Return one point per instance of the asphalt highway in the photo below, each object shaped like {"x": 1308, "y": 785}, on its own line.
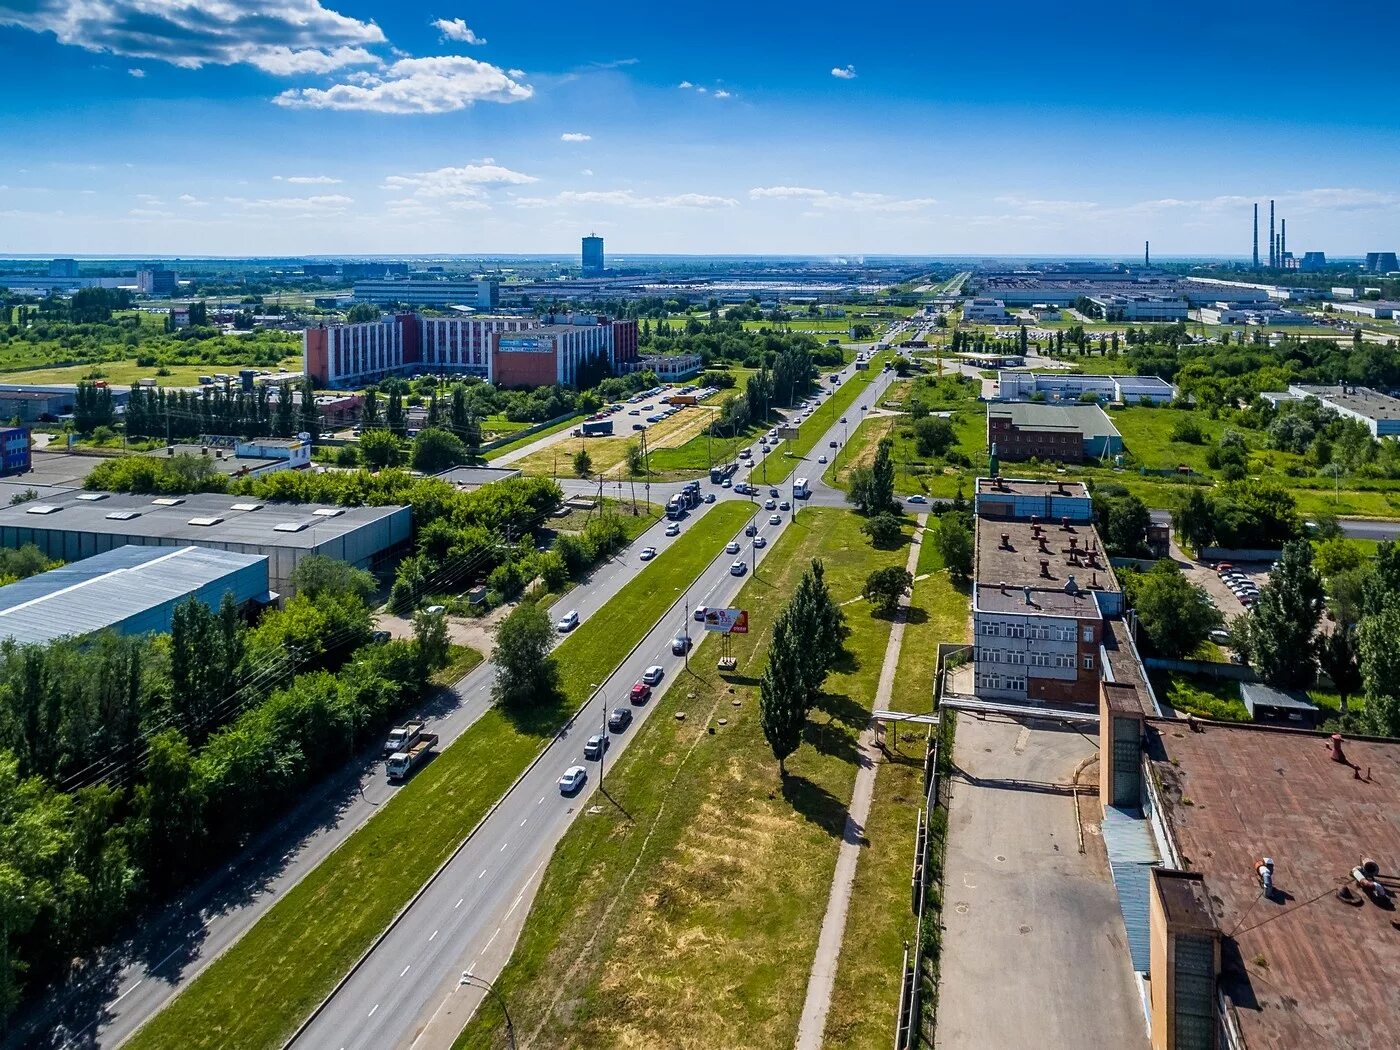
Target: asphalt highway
{"x": 467, "y": 917}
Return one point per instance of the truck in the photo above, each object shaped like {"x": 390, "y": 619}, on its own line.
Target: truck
{"x": 722, "y": 471}
{"x": 597, "y": 428}
{"x": 675, "y": 508}
{"x": 401, "y": 738}
{"x": 402, "y": 763}
{"x": 691, "y": 494}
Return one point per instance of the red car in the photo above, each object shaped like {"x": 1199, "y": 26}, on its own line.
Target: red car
{"x": 641, "y": 693}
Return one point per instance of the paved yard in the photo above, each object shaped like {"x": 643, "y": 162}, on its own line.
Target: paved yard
{"x": 1035, "y": 953}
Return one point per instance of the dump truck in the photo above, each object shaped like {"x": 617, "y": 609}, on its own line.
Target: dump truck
{"x": 401, "y": 738}
{"x": 402, "y": 763}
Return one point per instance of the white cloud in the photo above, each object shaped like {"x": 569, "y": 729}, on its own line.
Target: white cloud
{"x": 685, "y": 85}
{"x": 457, "y": 29}
{"x": 137, "y": 73}
{"x": 846, "y": 72}
{"x": 858, "y": 200}
{"x": 701, "y": 90}
{"x": 626, "y": 199}
{"x": 308, "y": 180}
{"x": 277, "y": 36}
{"x": 190, "y": 200}
{"x": 416, "y": 85}
{"x": 151, "y": 213}
{"x": 516, "y": 74}
{"x": 586, "y": 171}
{"x": 721, "y": 93}
{"x": 575, "y": 136}
{"x": 322, "y": 204}
{"x": 466, "y": 181}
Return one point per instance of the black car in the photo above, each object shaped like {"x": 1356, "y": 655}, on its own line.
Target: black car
{"x": 681, "y": 644}
{"x": 750, "y": 529}
{"x": 620, "y": 719}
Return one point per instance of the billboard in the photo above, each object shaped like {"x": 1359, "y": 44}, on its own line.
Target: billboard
{"x": 727, "y": 621}
{"x": 526, "y": 345}
{"x": 787, "y": 432}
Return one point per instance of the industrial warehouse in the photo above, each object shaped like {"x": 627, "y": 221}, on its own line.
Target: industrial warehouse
{"x": 78, "y": 525}
{"x": 130, "y": 590}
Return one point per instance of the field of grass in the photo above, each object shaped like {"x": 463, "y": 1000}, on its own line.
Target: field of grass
{"x": 293, "y": 956}
{"x": 520, "y": 442}
{"x": 694, "y": 923}
{"x": 127, "y": 372}
{"x": 820, "y": 421}
{"x": 609, "y": 454}
{"x": 462, "y": 660}
{"x": 634, "y": 525}
{"x": 1201, "y": 695}
{"x": 938, "y": 613}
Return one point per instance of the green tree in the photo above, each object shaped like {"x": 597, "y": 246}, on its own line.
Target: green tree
{"x": 885, "y": 530}
{"x": 308, "y": 416}
{"x": 1337, "y": 655}
{"x": 1124, "y": 519}
{"x": 583, "y": 463}
{"x": 783, "y": 692}
{"x": 394, "y": 417}
{"x": 316, "y": 576}
{"x": 1384, "y": 579}
{"x": 1337, "y": 556}
{"x": 955, "y": 546}
{"x": 362, "y": 313}
{"x": 527, "y": 675}
{"x": 819, "y": 620}
{"x": 434, "y": 646}
{"x": 882, "y": 477}
{"x": 1286, "y": 617}
{"x": 169, "y": 806}
{"x": 1380, "y": 665}
{"x": 1176, "y": 615}
{"x": 884, "y": 587}
{"x": 380, "y": 449}
{"x": 435, "y": 449}
{"x": 1193, "y": 520}
{"x": 934, "y": 435}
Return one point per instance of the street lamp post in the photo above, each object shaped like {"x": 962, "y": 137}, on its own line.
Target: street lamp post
{"x": 472, "y": 981}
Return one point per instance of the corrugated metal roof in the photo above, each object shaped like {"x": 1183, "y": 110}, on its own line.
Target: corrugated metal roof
{"x": 109, "y": 589}
{"x": 1132, "y": 853}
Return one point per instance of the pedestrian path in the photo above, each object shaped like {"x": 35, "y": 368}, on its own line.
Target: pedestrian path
{"x": 823, "y": 975}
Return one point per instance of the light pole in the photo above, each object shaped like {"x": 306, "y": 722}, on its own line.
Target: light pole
{"x": 472, "y": 981}
{"x": 602, "y": 747}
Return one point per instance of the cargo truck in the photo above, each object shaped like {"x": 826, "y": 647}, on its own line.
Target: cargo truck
{"x": 402, "y": 763}
{"x": 401, "y": 738}
{"x": 597, "y": 428}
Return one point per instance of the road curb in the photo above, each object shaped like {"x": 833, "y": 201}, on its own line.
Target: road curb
{"x": 490, "y": 812}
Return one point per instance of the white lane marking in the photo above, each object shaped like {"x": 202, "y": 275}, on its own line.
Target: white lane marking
{"x": 372, "y": 1009}
{"x": 522, "y": 823}
{"x": 405, "y": 970}
{"x": 493, "y": 938}
{"x": 133, "y": 988}
{"x": 459, "y": 903}
{"x": 435, "y": 933}
{"x": 483, "y": 873}
{"x": 503, "y": 847}
{"x": 541, "y": 801}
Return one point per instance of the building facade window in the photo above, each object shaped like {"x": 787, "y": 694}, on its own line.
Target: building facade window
{"x": 1088, "y": 663}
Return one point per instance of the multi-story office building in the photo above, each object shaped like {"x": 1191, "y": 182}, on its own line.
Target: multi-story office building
{"x": 63, "y": 268}
{"x": 1044, "y": 592}
{"x": 1021, "y": 386}
{"x": 156, "y": 281}
{"x": 353, "y": 355}
{"x": 593, "y": 265}
{"x": 14, "y": 450}
{"x": 480, "y": 295}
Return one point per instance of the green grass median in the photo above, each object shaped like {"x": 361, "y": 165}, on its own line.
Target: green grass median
{"x": 257, "y": 992}
{"x": 692, "y": 919}
{"x": 819, "y": 422}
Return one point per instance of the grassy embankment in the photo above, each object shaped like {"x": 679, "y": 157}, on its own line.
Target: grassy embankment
{"x": 609, "y": 454}
{"x": 694, "y": 922}
{"x": 294, "y": 955}
{"x": 521, "y": 442}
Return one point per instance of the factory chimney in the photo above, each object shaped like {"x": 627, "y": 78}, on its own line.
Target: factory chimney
{"x": 1147, "y": 255}
{"x": 1282, "y": 240}
{"x": 1273, "y": 241}
{"x": 1256, "y": 235}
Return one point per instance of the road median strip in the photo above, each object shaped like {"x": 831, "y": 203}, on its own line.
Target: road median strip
{"x": 306, "y": 943}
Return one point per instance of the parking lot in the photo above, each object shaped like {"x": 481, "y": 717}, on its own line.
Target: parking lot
{"x": 1205, "y": 576}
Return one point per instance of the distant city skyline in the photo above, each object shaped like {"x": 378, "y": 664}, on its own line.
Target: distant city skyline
{"x": 318, "y": 127}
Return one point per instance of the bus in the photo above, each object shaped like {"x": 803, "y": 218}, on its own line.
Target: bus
{"x": 800, "y": 489}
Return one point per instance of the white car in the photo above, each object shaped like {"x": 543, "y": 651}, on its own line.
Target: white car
{"x": 760, "y": 542}
{"x": 917, "y": 498}
{"x": 648, "y": 553}
{"x": 572, "y": 780}
{"x": 568, "y": 621}
{"x": 653, "y": 674}
{"x": 732, "y": 547}
{"x": 673, "y": 529}
{"x": 821, "y": 458}
{"x": 775, "y": 519}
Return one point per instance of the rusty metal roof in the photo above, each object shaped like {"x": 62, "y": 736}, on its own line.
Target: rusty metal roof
{"x": 1306, "y": 969}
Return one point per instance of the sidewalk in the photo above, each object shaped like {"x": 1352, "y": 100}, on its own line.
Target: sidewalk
{"x": 823, "y": 975}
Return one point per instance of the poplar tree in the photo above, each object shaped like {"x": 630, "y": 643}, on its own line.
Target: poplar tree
{"x": 783, "y": 692}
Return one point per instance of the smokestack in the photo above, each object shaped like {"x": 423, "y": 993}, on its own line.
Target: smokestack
{"x": 1273, "y": 243}
{"x": 1256, "y": 235}
{"x": 1282, "y": 240}
{"x": 1146, "y": 255}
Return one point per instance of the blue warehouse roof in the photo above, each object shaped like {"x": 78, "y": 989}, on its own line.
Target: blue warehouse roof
{"x": 130, "y": 589}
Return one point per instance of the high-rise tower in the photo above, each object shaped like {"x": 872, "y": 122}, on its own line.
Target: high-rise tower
{"x": 593, "y": 256}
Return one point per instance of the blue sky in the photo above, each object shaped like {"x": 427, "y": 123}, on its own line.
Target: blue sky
{"x": 271, "y": 127}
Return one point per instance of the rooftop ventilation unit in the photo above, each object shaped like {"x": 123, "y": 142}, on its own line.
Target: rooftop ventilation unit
{"x": 168, "y": 501}
{"x": 329, "y": 512}
{"x": 205, "y": 523}
{"x": 289, "y": 526}
{"x": 124, "y": 515}
{"x": 247, "y": 506}
{"x": 41, "y": 508}
{"x": 91, "y": 497}
{"x": 1070, "y": 586}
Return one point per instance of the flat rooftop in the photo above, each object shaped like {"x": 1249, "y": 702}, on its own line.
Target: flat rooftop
{"x": 242, "y": 518}
{"x": 1089, "y": 420}
{"x": 227, "y": 463}
{"x": 1123, "y": 662}
{"x": 115, "y": 586}
{"x": 1080, "y": 605}
{"x": 1307, "y": 969}
{"x": 1009, "y": 552}
{"x": 1031, "y": 487}
{"x": 1359, "y": 399}
{"x": 475, "y": 477}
